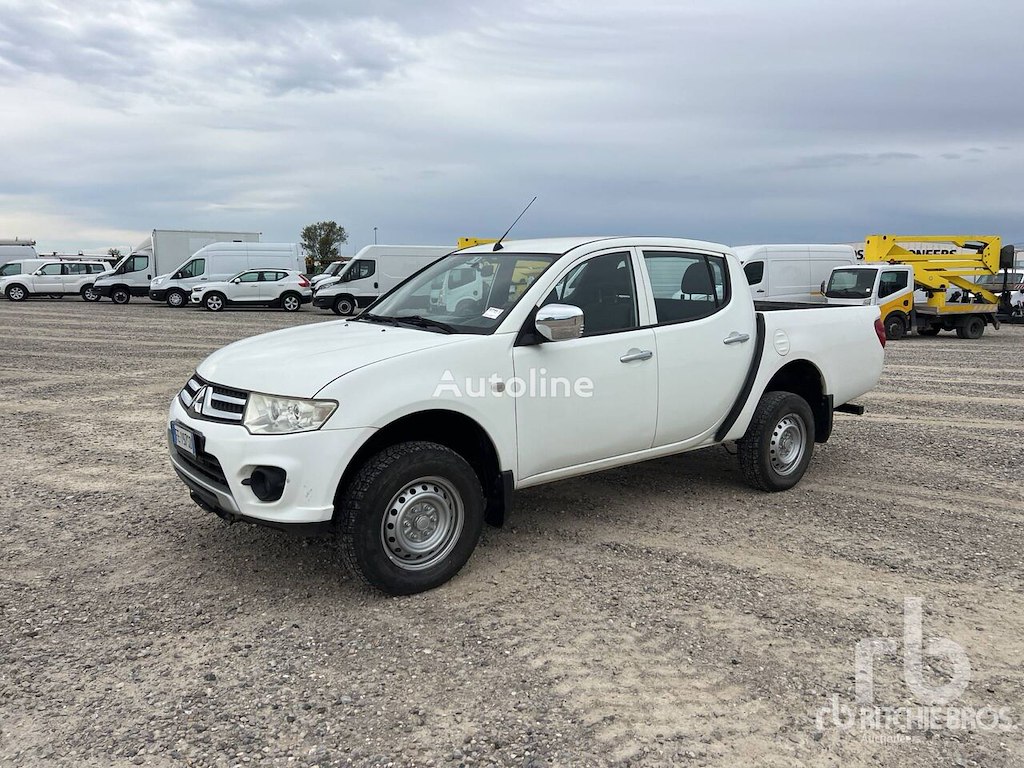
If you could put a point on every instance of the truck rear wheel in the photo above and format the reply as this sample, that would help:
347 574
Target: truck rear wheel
775 451
895 326
411 517
972 328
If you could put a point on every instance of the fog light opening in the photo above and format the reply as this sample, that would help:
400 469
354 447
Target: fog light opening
267 483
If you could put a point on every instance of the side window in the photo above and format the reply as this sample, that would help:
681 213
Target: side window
51 269
890 282
249 277
140 263
754 270
366 268
194 268
604 288
95 269
10 269
76 269
687 286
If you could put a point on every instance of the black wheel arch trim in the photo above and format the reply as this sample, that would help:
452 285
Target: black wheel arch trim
748 383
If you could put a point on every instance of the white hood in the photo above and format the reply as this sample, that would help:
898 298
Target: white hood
299 362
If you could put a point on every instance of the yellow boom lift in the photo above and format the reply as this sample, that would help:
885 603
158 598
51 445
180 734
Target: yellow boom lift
897 265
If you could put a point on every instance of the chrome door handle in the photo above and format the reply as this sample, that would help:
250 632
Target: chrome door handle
636 354
736 338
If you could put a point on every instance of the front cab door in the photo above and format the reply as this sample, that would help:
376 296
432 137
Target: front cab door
596 397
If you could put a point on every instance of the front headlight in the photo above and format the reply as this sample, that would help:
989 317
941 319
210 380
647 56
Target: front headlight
158 281
267 415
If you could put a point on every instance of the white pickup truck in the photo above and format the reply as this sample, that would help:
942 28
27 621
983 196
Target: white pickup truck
406 429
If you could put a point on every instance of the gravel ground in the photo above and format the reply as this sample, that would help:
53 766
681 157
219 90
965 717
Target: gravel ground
659 614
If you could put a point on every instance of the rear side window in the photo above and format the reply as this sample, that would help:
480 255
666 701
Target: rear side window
687 286
78 269
95 269
10 269
754 270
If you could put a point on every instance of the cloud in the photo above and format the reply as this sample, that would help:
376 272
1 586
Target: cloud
734 120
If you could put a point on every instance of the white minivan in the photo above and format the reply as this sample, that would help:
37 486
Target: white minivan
792 272
221 261
371 273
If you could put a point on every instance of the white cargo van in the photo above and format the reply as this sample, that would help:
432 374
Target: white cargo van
20 267
792 272
221 261
372 272
17 250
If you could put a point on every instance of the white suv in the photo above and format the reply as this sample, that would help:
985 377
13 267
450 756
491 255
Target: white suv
56 278
285 288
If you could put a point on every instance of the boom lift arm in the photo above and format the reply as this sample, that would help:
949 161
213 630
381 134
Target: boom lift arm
935 272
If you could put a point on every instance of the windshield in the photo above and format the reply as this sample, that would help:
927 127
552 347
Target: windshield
465 292
851 283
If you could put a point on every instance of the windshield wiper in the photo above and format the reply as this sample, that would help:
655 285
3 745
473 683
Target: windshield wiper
424 322
376 318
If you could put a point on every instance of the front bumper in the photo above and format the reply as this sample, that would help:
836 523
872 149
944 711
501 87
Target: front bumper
159 294
324 302
314 463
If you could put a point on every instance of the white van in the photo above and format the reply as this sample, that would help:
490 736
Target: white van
20 267
221 261
372 272
791 272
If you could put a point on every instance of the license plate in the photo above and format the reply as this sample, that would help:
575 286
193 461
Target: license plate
184 438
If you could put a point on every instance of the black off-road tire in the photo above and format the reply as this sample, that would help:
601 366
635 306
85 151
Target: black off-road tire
367 499
756 448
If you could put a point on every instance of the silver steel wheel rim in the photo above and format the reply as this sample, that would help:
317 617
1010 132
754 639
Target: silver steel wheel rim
788 443
175 299
422 524
345 307
17 293
291 303
213 303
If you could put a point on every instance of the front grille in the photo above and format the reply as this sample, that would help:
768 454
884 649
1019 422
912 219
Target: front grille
205 464
214 402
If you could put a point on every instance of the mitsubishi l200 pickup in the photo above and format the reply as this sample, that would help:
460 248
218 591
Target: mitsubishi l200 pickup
405 429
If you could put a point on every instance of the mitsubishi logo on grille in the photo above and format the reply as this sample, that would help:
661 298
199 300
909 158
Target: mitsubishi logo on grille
198 399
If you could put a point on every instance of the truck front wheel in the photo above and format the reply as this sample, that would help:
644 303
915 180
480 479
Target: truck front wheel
120 295
176 299
895 326
344 305
411 517
775 451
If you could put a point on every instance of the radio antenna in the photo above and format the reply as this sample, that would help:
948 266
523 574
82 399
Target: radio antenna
497 245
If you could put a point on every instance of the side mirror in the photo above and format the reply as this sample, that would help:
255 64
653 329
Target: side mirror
559 322
823 286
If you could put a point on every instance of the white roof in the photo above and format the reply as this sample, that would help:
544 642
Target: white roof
561 245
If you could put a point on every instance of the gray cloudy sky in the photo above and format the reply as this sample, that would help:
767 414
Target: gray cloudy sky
733 120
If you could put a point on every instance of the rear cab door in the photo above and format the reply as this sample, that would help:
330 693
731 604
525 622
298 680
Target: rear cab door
704 326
